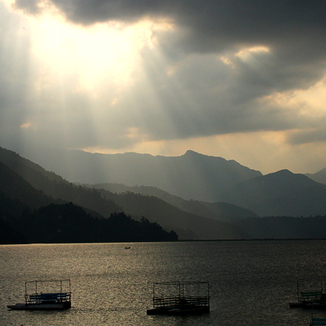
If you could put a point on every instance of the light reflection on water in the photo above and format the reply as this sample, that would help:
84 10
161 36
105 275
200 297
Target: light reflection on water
251 281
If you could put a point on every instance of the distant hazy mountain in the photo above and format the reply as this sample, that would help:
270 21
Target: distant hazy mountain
218 211
42 183
190 176
319 176
280 194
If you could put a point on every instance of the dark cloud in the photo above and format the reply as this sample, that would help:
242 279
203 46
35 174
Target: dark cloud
222 22
201 97
29 6
204 96
293 30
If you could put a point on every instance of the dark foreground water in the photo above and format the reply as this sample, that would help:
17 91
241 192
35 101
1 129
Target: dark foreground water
252 282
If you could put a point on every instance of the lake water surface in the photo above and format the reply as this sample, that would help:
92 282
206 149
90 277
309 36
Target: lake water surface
252 282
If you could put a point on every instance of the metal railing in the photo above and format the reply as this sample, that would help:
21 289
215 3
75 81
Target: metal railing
179 301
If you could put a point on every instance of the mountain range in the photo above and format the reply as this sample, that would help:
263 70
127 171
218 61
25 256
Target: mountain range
22 180
238 202
195 177
190 176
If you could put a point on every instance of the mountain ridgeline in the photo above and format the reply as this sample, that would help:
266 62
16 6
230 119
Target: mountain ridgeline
282 193
236 203
190 176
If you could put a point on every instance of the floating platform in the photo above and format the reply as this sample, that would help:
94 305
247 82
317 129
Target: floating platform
308 305
180 298
39 300
310 299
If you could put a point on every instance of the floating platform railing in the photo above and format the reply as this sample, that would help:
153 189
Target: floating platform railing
180 298
49 297
41 291
310 296
178 301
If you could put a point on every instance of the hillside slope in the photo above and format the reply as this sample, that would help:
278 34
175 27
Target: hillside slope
54 186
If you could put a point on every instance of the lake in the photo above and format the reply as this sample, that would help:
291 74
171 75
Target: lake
251 282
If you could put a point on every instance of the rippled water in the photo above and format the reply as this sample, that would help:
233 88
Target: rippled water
251 281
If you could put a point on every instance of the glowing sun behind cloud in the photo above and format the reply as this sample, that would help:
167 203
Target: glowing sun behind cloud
97 53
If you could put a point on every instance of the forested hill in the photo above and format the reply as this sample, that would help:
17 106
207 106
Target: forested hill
29 215
69 223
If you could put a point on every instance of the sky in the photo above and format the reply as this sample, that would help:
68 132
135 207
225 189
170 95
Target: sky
242 80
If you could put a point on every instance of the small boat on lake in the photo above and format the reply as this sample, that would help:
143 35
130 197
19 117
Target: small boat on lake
37 299
180 298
